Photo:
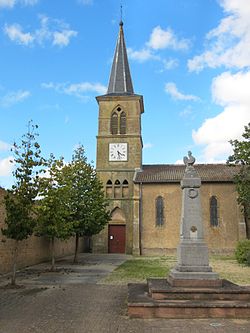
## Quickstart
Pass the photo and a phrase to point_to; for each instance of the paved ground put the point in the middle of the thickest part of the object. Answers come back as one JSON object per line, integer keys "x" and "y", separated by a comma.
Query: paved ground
{"x": 74, "y": 300}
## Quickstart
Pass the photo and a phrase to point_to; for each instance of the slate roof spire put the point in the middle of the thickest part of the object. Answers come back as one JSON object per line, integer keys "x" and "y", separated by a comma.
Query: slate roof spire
{"x": 120, "y": 81}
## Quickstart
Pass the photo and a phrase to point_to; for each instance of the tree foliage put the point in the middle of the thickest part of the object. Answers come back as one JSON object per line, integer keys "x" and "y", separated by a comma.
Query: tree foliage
{"x": 53, "y": 211}
{"x": 87, "y": 203}
{"x": 19, "y": 201}
{"x": 241, "y": 156}
{"x": 242, "y": 252}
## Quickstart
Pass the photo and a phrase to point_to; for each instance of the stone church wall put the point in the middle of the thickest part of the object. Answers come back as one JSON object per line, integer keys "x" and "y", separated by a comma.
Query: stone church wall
{"x": 32, "y": 250}
{"x": 164, "y": 239}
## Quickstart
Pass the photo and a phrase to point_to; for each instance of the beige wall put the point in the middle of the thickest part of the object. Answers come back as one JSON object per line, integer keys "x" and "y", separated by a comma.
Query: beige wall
{"x": 121, "y": 197}
{"x": 132, "y": 106}
{"x": 164, "y": 239}
{"x": 31, "y": 251}
{"x": 154, "y": 239}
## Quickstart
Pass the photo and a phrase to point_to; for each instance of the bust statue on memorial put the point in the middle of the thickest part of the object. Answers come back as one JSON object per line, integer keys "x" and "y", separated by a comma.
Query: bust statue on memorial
{"x": 190, "y": 160}
{"x": 190, "y": 171}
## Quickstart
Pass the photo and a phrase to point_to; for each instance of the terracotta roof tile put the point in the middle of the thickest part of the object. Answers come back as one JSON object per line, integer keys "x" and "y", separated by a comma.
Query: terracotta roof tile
{"x": 173, "y": 173}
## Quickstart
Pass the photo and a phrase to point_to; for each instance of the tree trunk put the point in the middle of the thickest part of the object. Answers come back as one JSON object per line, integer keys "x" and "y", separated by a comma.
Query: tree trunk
{"x": 247, "y": 222}
{"x": 15, "y": 253}
{"x": 53, "y": 254}
{"x": 76, "y": 248}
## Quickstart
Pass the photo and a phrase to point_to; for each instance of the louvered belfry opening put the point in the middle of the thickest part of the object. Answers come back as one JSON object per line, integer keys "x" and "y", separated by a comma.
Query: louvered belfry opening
{"x": 123, "y": 121}
{"x": 114, "y": 123}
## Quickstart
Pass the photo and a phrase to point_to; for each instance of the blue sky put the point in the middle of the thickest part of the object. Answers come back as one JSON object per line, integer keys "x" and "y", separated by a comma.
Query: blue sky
{"x": 189, "y": 59}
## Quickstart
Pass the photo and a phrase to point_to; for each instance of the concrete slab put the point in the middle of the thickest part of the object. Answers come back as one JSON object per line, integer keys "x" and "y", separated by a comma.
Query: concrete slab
{"x": 91, "y": 269}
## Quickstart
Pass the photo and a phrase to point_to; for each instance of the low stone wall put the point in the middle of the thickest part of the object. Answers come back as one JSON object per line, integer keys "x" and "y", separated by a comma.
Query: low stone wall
{"x": 32, "y": 250}
{"x": 172, "y": 252}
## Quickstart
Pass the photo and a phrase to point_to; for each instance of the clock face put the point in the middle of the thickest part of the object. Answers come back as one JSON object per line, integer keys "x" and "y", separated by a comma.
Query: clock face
{"x": 118, "y": 151}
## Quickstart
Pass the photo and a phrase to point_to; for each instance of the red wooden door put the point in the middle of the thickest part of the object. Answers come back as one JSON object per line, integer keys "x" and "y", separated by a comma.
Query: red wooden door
{"x": 117, "y": 238}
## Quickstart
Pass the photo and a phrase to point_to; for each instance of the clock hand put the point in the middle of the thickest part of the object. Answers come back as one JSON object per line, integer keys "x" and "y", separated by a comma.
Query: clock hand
{"x": 120, "y": 154}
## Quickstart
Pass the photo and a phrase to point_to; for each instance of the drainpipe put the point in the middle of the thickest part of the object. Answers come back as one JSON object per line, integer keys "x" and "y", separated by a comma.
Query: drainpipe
{"x": 140, "y": 219}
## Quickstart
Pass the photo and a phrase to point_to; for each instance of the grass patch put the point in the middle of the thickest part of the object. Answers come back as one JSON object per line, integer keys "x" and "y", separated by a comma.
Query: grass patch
{"x": 139, "y": 269}
{"x": 228, "y": 268}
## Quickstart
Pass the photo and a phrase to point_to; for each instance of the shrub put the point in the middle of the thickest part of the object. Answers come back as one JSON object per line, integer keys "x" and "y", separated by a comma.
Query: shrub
{"x": 242, "y": 252}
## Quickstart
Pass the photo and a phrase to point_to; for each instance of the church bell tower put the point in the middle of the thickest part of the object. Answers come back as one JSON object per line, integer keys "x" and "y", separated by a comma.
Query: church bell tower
{"x": 119, "y": 154}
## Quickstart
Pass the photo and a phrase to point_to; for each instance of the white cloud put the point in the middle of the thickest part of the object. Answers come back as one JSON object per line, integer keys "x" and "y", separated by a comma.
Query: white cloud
{"x": 172, "y": 90}
{"x": 63, "y": 38}
{"x": 159, "y": 39}
{"x": 170, "y": 63}
{"x": 52, "y": 30}
{"x": 85, "y": 2}
{"x": 14, "y": 97}
{"x": 142, "y": 55}
{"x": 12, "y": 3}
{"x": 4, "y": 146}
{"x": 232, "y": 89}
{"x": 232, "y": 92}
{"x": 148, "y": 145}
{"x": 186, "y": 112}
{"x": 15, "y": 34}
{"x": 29, "y": 2}
{"x": 162, "y": 39}
{"x": 76, "y": 89}
{"x": 179, "y": 162}
{"x": 228, "y": 44}
{"x": 6, "y": 166}
{"x": 7, "y": 3}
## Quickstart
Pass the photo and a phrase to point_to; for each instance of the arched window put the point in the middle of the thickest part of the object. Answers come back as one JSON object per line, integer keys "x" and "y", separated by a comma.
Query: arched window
{"x": 214, "y": 222}
{"x": 123, "y": 122}
{"x": 125, "y": 189}
{"x": 117, "y": 189}
{"x": 159, "y": 207}
{"x": 109, "y": 189}
{"x": 114, "y": 123}
{"x": 118, "y": 122}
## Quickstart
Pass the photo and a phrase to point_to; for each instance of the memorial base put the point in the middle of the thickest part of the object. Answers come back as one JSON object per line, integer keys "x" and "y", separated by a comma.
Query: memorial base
{"x": 159, "y": 299}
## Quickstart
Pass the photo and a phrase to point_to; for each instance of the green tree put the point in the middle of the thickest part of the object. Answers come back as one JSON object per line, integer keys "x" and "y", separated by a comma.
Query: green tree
{"x": 53, "y": 211}
{"x": 241, "y": 156}
{"x": 19, "y": 201}
{"x": 87, "y": 203}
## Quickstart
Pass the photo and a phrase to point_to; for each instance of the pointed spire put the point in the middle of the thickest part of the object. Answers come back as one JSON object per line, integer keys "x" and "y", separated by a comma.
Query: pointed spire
{"x": 120, "y": 80}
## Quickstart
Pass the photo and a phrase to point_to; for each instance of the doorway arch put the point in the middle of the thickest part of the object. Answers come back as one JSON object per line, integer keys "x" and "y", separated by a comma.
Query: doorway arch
{"x": 117, "y": 232}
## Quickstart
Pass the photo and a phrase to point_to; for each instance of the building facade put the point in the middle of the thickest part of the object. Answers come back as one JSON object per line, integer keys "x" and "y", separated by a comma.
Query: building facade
{"x": 145, "y": 200}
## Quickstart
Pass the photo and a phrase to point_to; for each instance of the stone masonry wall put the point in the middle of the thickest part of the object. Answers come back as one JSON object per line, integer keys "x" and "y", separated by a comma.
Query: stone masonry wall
{"x": 31, "y": 251}
{"x": 164, "y": 239}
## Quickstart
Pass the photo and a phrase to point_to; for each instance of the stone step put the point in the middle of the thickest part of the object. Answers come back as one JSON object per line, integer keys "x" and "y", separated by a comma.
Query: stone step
{"x": 141, "y": 305}
{"x": 161, "y": 290}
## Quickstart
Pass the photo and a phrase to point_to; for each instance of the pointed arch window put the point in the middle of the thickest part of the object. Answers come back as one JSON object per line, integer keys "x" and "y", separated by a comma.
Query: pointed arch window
{"x": 109, "y": 189}
{"x": 117, "y": 189}
{"x": 214, "y": 221}
{"x": 123, "y": 123}
{"x": 125, "y": 189}
{"x": 114, "y": 123}
{"x": 159, "y": 207}
{"x": 118, "y": 122}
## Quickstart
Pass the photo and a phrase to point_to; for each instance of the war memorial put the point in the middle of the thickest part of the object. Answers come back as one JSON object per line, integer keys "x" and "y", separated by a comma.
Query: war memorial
{"x": 192, "y": 289}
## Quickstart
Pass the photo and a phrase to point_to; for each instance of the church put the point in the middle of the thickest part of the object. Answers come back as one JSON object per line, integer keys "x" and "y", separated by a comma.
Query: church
{"x": 145, "y": 200}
